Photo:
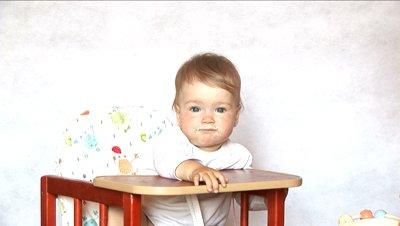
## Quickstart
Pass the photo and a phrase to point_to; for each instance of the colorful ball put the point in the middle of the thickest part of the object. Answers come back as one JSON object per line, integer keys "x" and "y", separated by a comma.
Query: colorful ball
{"x": 345, "y": 219}
{"x": 365, "y": 214}
{"x": 380, "y": 214}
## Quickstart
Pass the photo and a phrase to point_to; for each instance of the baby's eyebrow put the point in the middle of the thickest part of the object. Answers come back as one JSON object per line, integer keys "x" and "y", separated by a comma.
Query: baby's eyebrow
{"x": 223, "y": 103}
{"x": 193, "y": 102}
{"x": 199, "y": 102}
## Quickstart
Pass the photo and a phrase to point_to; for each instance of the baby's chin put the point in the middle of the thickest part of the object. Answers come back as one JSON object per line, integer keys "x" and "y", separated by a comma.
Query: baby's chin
{"x": 210, "y": 147}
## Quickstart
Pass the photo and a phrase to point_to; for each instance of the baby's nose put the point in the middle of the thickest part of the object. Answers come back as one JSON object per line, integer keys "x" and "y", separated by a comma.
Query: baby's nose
{"x": 208, "y": 118}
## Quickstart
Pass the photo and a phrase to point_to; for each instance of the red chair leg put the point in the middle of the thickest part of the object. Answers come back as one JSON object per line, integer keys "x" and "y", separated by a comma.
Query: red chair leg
{"x": 77, "y": 212}
{"x": 244, "y": 209}
{"x": 276, "y": 206}
{"x": 132, "y": 209}
{"x": 103, "y": 209}
{"x": 47, "y": 204}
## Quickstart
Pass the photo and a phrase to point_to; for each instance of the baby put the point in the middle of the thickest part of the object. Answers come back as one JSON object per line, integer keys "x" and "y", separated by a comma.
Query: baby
{"x": 207, "y": 106}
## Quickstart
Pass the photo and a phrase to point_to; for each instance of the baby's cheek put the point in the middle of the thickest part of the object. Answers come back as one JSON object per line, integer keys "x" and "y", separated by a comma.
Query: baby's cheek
{"x": 224, "y": 134}
{"x": 188, "y": 131}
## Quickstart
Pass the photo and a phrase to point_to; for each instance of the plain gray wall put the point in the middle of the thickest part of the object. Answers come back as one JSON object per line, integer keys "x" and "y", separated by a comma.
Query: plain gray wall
{"x": 320, "y": 89}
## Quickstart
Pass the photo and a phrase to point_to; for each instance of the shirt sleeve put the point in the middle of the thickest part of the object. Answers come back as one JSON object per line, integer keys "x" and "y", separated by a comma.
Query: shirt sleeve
{"x": 231, "y": 156}
{"x": 246, "y": 159}
{"x": 170, "y": 150}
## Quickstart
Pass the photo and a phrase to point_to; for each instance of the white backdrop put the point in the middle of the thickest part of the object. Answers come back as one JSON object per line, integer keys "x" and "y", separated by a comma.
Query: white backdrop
{"x": 320, "y": 89}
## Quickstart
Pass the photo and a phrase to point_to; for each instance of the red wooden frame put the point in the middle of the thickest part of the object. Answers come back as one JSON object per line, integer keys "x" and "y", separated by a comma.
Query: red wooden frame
{"x": 275, "y": 205}
{"x": 53, "y": 186}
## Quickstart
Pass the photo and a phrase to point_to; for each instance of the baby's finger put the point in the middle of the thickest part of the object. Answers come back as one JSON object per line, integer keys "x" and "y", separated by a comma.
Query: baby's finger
{"x": 214, "y": 182}
{"x": 208, "y": 181}
{"x": 196, "y": 179}
{"x": 222, "y": 179}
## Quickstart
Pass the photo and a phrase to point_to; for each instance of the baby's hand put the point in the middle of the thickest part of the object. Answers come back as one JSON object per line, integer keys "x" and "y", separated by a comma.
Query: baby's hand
{"x": 210, "y": 176}
{"x": 191, "y": 170}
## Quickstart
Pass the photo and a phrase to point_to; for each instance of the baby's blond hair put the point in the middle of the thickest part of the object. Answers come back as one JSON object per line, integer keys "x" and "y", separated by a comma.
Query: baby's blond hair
{"x": 211, "y": 69}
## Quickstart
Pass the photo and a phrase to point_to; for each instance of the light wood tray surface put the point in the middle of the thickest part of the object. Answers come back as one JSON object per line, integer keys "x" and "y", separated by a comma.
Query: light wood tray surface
{"x": 239, "y": 180}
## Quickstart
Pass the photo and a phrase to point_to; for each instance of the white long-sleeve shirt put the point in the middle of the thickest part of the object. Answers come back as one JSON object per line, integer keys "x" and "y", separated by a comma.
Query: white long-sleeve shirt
{"x": 170, "y": 150}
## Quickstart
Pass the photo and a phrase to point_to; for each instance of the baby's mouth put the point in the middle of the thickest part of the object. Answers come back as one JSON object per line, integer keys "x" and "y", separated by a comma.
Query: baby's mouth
{"x": 207, "y": 129}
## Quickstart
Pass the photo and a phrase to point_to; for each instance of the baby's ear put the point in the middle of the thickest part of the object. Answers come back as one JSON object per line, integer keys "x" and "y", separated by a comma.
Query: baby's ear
{"x": 177, "y": 111}
{"x": 176, "y": 108}
{"x": 237, "y": 117}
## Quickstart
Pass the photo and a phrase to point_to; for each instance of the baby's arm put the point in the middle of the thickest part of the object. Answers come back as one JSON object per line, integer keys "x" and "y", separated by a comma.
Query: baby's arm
{"x": 235, "y": 156}
{"x": 191, "y": 170}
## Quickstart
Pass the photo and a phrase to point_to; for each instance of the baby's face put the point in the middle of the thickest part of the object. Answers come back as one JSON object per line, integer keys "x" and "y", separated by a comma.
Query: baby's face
{"x": 206, "y": 114}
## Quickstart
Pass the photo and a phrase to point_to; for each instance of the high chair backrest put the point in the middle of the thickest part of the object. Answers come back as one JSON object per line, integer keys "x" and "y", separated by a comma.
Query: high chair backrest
{"x": 117, "y": 141}
{"x": 107, "y": 141}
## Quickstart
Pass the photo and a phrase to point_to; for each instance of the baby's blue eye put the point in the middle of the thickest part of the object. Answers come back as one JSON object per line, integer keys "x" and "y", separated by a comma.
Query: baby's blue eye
{"x": 220, "y": 110}
{"x": 194, "y": 109}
